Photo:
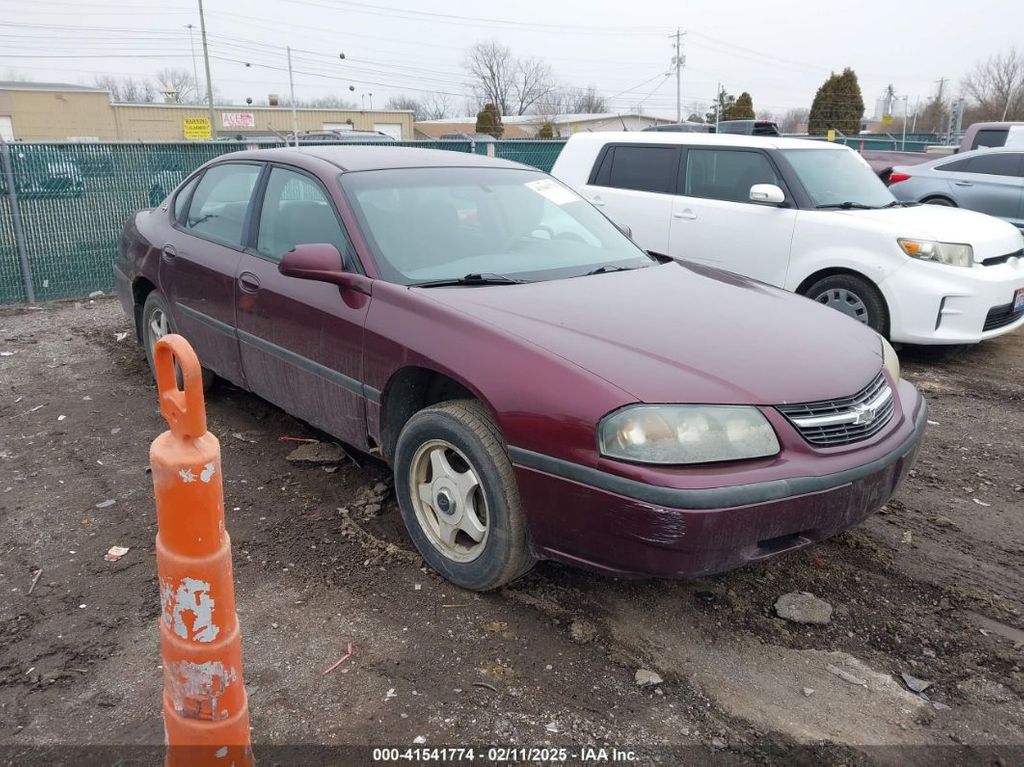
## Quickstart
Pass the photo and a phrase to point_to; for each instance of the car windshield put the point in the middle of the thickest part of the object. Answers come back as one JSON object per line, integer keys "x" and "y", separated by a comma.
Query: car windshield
{"x": 838, "y": 178}
{"x": 430, "y": 224}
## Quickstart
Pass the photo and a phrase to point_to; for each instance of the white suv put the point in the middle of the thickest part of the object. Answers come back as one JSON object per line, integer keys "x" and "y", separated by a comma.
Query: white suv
{"x": 810, "y": 217}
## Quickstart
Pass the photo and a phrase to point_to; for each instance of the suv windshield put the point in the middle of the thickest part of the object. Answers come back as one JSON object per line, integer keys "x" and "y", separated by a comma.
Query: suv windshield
{"x": 430, "y": 224}
{"x": 838, "y": 178}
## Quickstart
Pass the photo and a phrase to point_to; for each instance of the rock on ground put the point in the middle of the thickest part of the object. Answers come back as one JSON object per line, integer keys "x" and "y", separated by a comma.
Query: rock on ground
{"x": 802, "y": 607}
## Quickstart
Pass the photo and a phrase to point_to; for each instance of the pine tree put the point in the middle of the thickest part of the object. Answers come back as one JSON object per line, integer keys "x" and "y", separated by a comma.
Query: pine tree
{"x": 837, "y": 105}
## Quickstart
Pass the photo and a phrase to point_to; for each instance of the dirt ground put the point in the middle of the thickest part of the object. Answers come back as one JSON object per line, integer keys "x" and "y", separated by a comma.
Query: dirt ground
{"x": 933, "y": 586}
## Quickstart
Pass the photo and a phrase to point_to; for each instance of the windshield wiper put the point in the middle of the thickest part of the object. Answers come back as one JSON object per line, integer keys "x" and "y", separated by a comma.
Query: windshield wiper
{"x": 897, "y": 204}
{"x": 474, "y": 278}
{"x": 848, "y": 205}
{"x": 605, "y": 269}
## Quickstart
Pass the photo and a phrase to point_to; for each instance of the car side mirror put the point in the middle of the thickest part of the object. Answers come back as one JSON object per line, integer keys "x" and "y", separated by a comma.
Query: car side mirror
{"x": 322, "y": 262}
{"x": 767, "y": 194}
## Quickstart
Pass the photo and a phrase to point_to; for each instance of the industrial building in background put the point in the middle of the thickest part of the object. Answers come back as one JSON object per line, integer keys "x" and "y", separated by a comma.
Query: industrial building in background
{"x": 31, "y": 111}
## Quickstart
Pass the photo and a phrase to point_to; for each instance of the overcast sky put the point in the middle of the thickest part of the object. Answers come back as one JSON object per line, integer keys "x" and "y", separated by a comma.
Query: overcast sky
{"x": 778, "y": 50}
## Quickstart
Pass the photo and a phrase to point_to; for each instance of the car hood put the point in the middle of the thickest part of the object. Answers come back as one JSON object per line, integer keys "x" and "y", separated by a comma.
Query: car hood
{"x": 989, "y": 236}
{"x": 683, "y": 333}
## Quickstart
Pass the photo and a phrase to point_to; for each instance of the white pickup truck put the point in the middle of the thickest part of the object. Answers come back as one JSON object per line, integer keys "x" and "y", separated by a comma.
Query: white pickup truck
{"x": 812, "y": 218}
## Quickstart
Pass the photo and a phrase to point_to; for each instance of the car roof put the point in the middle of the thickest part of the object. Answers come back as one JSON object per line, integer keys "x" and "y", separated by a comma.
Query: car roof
{"x": 376, "y": 157}
{"x": 709, "y": 139}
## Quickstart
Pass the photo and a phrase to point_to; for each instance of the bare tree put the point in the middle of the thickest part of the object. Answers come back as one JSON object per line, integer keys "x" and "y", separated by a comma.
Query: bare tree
{"x": 791, "y": 121}
{"x": 436, "y": 106}
{"x": 407, "y": 104}
{"x": 765, "y": 114}
{"x": 16, "y": 76}
{"x": 531, "y": 81}
{"x": 997, "y": 85}
{"x": 180, "y": 85}
{"x": 128, "y": 90}
{"x": 492, "y": 71}
{"x": 586, "y": 101}
{"x": 555, "y": 102}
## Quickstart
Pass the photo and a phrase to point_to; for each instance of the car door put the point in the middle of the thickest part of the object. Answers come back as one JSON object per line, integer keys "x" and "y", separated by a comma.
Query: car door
{"x": 301, "y": 341}
{"x": 199, "y": 262}
{"x": 993, "y": 183}
{"x": 714, "y": 221}
{"x": 633, "y": 185}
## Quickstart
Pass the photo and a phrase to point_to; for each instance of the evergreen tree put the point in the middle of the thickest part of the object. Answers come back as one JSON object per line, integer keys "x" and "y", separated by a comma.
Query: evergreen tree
{"x": 742, "y": 109}
{"x": 488, "y": 121}
{"x": 725, "y": 103}
{"x": 837, "y": 105}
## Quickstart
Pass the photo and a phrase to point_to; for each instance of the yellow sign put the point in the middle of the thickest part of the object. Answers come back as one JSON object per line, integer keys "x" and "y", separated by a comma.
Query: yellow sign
{"x": 197, "y": 129}
{"x": 831, "y": 135}
{"x": 886, "y": 120}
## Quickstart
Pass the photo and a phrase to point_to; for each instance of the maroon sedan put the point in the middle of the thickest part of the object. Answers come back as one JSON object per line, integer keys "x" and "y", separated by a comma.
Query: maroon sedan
{"x": 541, "y": 387}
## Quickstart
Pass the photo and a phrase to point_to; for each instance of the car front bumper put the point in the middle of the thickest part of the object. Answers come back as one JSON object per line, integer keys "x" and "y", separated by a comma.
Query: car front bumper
{"x": 610, "y": 529}
{"x": 939, "y": 304}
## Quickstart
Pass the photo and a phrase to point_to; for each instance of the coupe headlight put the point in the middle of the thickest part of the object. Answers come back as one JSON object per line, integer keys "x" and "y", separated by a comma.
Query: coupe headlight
{"x": 952, "y": 253}
{"x": 890, "y": 360}
{"x": 678, "y": 434}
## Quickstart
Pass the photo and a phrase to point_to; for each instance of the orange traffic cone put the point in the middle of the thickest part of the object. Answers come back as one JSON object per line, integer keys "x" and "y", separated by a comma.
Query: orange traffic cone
{"x": 206, "y": 714}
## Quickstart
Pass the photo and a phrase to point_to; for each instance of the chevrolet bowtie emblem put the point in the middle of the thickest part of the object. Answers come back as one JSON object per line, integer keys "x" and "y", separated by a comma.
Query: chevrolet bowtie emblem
{"x": 864, "y": 414}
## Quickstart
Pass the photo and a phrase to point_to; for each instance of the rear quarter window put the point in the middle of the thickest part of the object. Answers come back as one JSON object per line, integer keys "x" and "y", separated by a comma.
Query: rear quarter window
{"x": 643, "y": 168}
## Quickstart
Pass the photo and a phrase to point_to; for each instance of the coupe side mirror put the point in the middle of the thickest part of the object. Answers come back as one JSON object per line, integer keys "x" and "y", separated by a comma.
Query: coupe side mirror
{"x": 322, "y": 262}
{"x": 767, "y": 194}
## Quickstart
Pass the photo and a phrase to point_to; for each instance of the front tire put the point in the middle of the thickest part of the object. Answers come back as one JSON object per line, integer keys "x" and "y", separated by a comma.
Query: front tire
{"x": 458, "y": 496}
{"x": 855, "y": 297}
{"x": 156, "y": 322}
{"x": 941, "y": 201}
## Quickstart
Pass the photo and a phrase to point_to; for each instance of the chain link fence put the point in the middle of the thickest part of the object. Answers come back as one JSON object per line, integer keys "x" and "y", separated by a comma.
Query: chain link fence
{"x": 62, "y": 206}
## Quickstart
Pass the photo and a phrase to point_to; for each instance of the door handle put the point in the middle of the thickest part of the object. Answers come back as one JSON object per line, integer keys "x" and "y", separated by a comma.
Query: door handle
{"x": 964, "y": 183}
{"x": 598, "y": 202}
{"x": 685, "y": 213}
{"x": 248, "y": 282}
{"x": 168, "y": 254}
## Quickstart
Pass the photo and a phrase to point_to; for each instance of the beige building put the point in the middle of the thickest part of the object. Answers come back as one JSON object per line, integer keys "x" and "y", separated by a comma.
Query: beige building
{"x": 60, "y": 112}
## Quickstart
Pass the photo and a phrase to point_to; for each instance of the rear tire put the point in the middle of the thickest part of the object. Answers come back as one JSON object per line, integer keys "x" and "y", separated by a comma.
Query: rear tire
{"x": 458, "y": 496}
{"x": 156, "y": 322}
{"x": 943, "y": 201}
{"x": 855, "y": 297}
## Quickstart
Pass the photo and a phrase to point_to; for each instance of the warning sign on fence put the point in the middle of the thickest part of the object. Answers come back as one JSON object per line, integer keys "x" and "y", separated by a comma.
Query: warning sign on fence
{"x": 197, "y": 129}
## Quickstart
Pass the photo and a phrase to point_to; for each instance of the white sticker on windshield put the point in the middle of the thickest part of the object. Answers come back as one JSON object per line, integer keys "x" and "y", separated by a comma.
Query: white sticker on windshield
{"x": 553, "y": 191}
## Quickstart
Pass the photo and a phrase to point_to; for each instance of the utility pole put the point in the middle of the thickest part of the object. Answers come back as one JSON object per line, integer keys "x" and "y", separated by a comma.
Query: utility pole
{"x": 195, "y": 67}
{"x": 291, "y": 85}
{"x": 209, "y": 80}
{"x": 678, "y": 61}
{"x": 718, "y": 106}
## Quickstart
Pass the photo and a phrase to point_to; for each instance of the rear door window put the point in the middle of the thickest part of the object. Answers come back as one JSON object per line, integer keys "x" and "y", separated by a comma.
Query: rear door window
{"x": 221, "y": 201}
{"x": 995, "y": 164}
{"x": 726, "y": 174}
{"x": 639, "y": 167}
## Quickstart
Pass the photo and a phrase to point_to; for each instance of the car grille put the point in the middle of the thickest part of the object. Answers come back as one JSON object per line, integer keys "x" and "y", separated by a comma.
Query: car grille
{"x": 834, "y": 422}
{"x": 1001, "y": 316}
{"x": 996, "y": 260}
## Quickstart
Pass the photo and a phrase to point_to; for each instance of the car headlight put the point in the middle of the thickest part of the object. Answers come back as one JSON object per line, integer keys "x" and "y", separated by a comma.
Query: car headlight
{"x": 890, "y": 360}
{"x": 952, "y": 253}
{"x": 679, "y": 434}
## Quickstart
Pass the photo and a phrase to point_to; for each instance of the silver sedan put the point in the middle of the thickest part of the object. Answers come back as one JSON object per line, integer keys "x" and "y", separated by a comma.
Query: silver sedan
{"x": 986, "y": 180}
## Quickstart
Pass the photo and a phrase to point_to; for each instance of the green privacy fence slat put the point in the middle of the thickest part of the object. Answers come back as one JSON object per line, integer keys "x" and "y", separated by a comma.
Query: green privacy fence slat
{"x": 75, "y": 198}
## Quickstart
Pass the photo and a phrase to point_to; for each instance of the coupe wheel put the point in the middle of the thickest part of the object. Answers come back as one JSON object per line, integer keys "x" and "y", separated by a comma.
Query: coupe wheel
{"x": 854, "y": 297}
{"x": 943, "y": 201}
{"x": 458, "y": 496}
{"x": 157, "y": 323}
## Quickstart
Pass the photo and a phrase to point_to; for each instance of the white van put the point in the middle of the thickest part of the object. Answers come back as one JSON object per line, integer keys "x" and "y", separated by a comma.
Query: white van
{"x": 810, "y": 217}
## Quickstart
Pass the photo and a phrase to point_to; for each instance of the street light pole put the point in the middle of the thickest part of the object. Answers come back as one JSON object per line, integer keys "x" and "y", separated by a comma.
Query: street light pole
{"x": 209, "y": 79}
{"x": 291, "y": 84}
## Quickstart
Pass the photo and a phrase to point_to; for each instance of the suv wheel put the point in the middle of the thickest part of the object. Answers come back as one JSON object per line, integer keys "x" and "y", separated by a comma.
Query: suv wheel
{"x": 458, "y": 496}
{"x": 157, "y": 323}
{"x": 855, "y": 297}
